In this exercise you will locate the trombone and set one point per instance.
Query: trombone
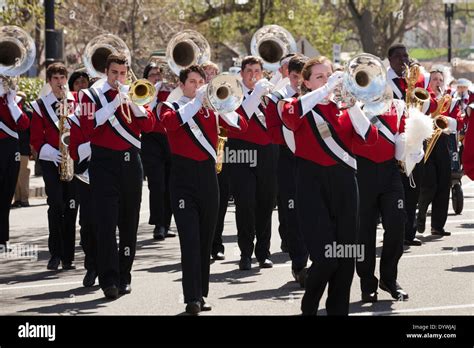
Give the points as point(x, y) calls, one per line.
point(141, 91)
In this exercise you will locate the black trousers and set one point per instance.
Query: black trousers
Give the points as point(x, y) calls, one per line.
point(88, 232)
point(411, 199)
point(156, 159)
point(194, 200)
point(436, 184)
point(287, 208)
point(9, 169)
point(223, 178)
point(254, 190)
point(116, 179)
point(328, 212)
point(62, 212)
point(381, 193)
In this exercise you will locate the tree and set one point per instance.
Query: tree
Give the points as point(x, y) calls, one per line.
point(236, 21)
point(382, 23)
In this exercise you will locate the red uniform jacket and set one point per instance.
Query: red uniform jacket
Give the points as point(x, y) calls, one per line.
point(309, 143)
point(45, 120)
point(116, 133)
point(184, 136)
point(8, 126)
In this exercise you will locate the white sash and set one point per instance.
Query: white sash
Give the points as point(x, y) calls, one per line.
point(7, 130)
point(332, 145)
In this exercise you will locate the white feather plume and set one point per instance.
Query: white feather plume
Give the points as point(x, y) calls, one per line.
point(418, 128)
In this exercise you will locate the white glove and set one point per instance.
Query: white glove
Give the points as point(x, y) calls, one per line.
point(201, 94)
point(188, 110)
point(417, 157)
point(107, 111)
point(158, 86)
point(400, 146)
point(452, 125)
point(334, 80)
point(49, 153)
point(13, 106)
point(262, 87)
point(84, 151)
point(138, 110)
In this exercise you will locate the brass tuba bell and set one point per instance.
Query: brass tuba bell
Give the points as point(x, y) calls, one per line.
point(272, 43)
point(17, 54)
point(187, 48)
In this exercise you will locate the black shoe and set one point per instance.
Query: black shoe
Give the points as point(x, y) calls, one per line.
point(284, 247)
point(267, 263)
point(245, 263)
point(16, 204)
point(24, 204)
point(4, 248)
point(193, 307)
point(159, 233)
point(205, 307)
point(420, 223)
point(369, 297)
point(68, 266)
point(414, 242)
point(219, 256)
point(111, 292)
point(89, 278)
point(169, 234)
point(395, 290)
point(53, 263)
point(441, 232)
point(124, 289)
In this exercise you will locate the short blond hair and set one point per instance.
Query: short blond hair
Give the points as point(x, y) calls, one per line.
point(210, 64)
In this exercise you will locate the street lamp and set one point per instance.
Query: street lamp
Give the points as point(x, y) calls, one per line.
point(449, 14)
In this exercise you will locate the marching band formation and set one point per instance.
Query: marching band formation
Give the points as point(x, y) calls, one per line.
point(338, 151)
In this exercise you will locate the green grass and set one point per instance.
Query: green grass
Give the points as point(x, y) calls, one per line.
point(436, 53)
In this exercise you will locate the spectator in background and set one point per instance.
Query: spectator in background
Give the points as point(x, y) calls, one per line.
point(210, 69)
point(22, 190)
point(78, 80)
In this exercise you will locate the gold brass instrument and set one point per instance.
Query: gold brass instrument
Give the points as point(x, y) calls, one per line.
point(440, 123)
point(271, 43)
point(66, 167)
point(17, 55)
point(141, 91)
point(224, 94)
point(415, 96)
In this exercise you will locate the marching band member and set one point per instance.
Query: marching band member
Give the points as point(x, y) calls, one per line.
point(282, 73)
point(253, 184)
point(326, 191)
point(115, 170)
point(217, 250)
point(12, 120)
point(78, 80)
point(80, 151)
point(398, 58)
point(192, 132)
point(381, 194)
point(436, 181)
point(156, 159)
point(464, 93)
point(284, 139)
point(62, 195)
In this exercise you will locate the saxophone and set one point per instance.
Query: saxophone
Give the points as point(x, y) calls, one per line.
point(66, 167)
point(220, 149)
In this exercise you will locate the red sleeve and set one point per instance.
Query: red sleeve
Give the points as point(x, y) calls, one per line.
point(291, 114)
point(273, 120)
point(170, 118)
point(37, 135)
point(147, 123)
point(23, 122)
point(401, 126)
point(456, 114)
point(77, 138)
point(468, 153)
